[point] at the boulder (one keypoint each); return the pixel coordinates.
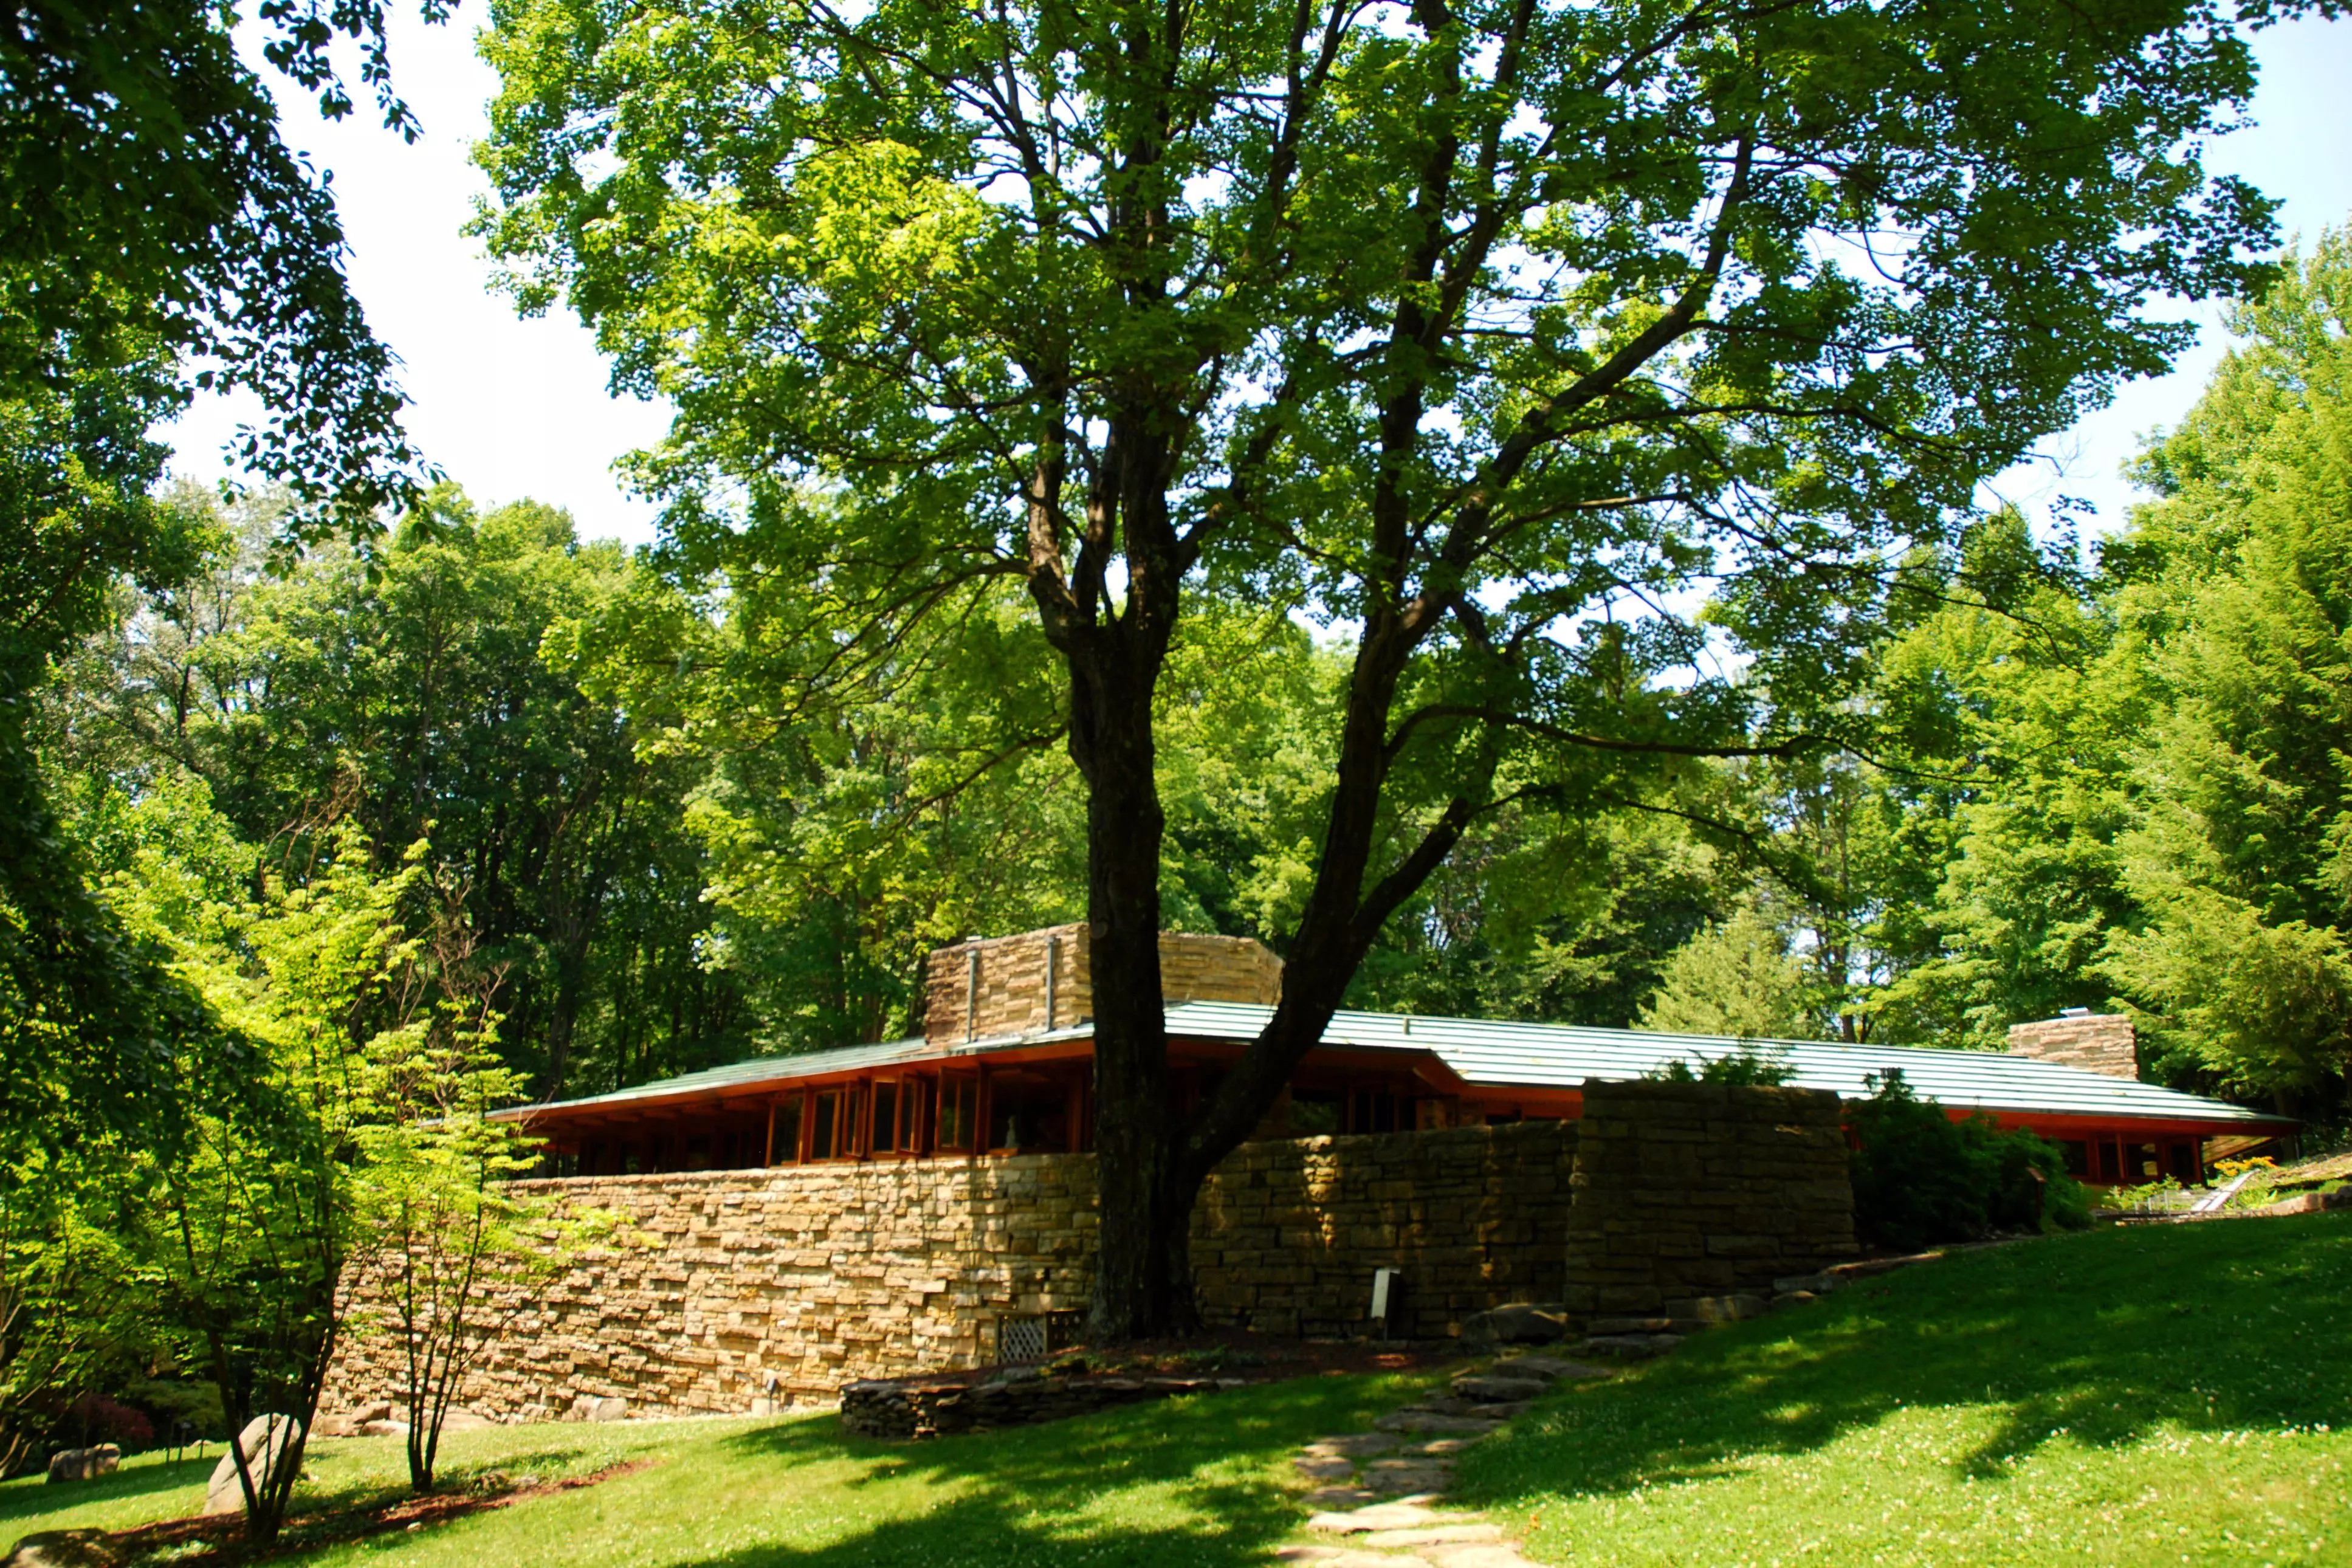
(268, 1442)
(64, 1549)
(589, 1408)
(85, 1464)
(1518, 1323)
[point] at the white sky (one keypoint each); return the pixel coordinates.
(514, 408)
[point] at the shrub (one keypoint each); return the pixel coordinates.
(95, 1418)
(1920, 1177)
(1745, 1066)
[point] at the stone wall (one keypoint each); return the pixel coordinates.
(2096, 1042)
(1684, 1190)
(722, 1286)
(727, 1286)
(1042, 980)
(1286, 1235)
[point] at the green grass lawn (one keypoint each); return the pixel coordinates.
(1204, 1480)
(2141, 1396)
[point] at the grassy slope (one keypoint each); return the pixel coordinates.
(1203, 1481)
(2141, 1396)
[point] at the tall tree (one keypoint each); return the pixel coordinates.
(431, 689)
(2236, 607)
(1487, 332)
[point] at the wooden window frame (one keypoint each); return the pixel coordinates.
(960, 1085)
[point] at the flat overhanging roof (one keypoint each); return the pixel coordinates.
(1505, 1057)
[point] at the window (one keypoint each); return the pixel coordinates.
(1373, 1111)
(886, 1117)
(1028, 1115)
(784, 1143)
(832, 1128)
(959, 1112)
(1314, 1111)
(914, 1094)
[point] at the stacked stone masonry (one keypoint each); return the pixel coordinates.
(723, 1288)
(1042, 980)
(1688, 1190)
(2096, 1042)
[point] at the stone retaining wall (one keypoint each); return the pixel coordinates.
(1286, 1235)
(1686, 1190)
(728, 1287)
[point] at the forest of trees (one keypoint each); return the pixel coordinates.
(1489, 501)
(2103, 776)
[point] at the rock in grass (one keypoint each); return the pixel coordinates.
(269, 1445)
(64, 1549)
(1517, 1323)
(85, 1464)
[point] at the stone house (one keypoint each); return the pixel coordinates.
(1003, 1068)
(789, 1224)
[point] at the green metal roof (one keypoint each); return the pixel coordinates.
(1504, 1056)
(738, 1075)
(1499, 1055)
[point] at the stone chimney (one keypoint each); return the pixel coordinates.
(1040, 980)
(2078, 1038)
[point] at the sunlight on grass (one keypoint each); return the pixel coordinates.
(1199, 1481)
(2140, 1397)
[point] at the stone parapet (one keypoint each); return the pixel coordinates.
(1685, 1190)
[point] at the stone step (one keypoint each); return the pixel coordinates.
(1633, 1347)
(1454, 1404)
(1316, 1468)
(1477, 1557)
(1714, 1309)
(1340, 1497)
(1352, 1445)
(1434, 1535)
(1409, 1480)
(1491, 1390)
(1549, 1368)
(1437, 1421)
(1805, 1284)
(1608, 1326)
(1399, 1515)
(1347, 1557)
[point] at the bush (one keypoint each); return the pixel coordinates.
(1745, 1066)
(170, 1400)
(95, 1418)
(1921, 1178)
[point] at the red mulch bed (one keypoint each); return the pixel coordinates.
(224, 1534)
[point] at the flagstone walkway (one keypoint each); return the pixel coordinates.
(1381, 1501)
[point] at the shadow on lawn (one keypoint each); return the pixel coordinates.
(137, 1480)
(2099, 1338)
(1027, 1491)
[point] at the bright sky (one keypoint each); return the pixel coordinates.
(513, 408)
